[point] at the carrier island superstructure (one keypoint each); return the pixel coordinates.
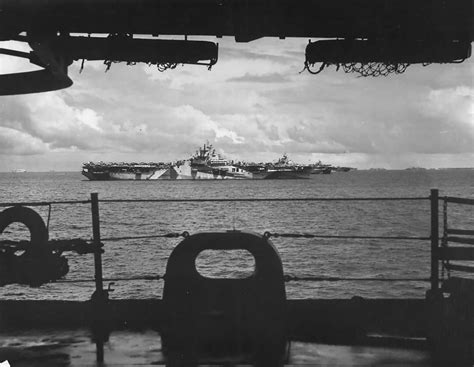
(205, 164)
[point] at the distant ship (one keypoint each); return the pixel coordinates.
(320, 168)
(284, 168)
(344, 169)
(206, 164)
(415, 169)
(19, 170)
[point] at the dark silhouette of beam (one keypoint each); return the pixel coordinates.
(245, 20)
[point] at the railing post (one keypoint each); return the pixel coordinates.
(99, 284)
(434, 199)
(99, 298)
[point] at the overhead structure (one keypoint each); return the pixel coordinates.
(55, 53)
(382, 57)
(122, 31)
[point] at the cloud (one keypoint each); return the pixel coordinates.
(376, 115)
(55, 122)
(14, 142)
(453, 105)
(265, 78)
(450, 112)
(49, 119)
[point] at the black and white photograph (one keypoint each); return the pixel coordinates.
(236, 183)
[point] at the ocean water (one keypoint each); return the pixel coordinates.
(300, 257)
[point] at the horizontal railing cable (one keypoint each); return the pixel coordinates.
(45, 203)
(257, 199)
(309, 235)
(91, 280)
(72, 202)
(276, 235)
(166, 235)
(86, 246)
(290, 278)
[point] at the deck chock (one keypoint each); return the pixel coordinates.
(211, 318)
(38, 264)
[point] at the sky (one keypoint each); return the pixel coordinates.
(255, 104)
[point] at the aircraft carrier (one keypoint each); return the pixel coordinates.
(205, 164)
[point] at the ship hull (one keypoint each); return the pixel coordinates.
(321, 170)
(125, 176)
(96, 176)
(194, 175)
(282, 174)
(177, 172)
(137, 176)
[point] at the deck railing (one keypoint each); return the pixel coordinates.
(97, 240)
(438, 253)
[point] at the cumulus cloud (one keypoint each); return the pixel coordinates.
(14, 142)
(455, 106)
(49, 118)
